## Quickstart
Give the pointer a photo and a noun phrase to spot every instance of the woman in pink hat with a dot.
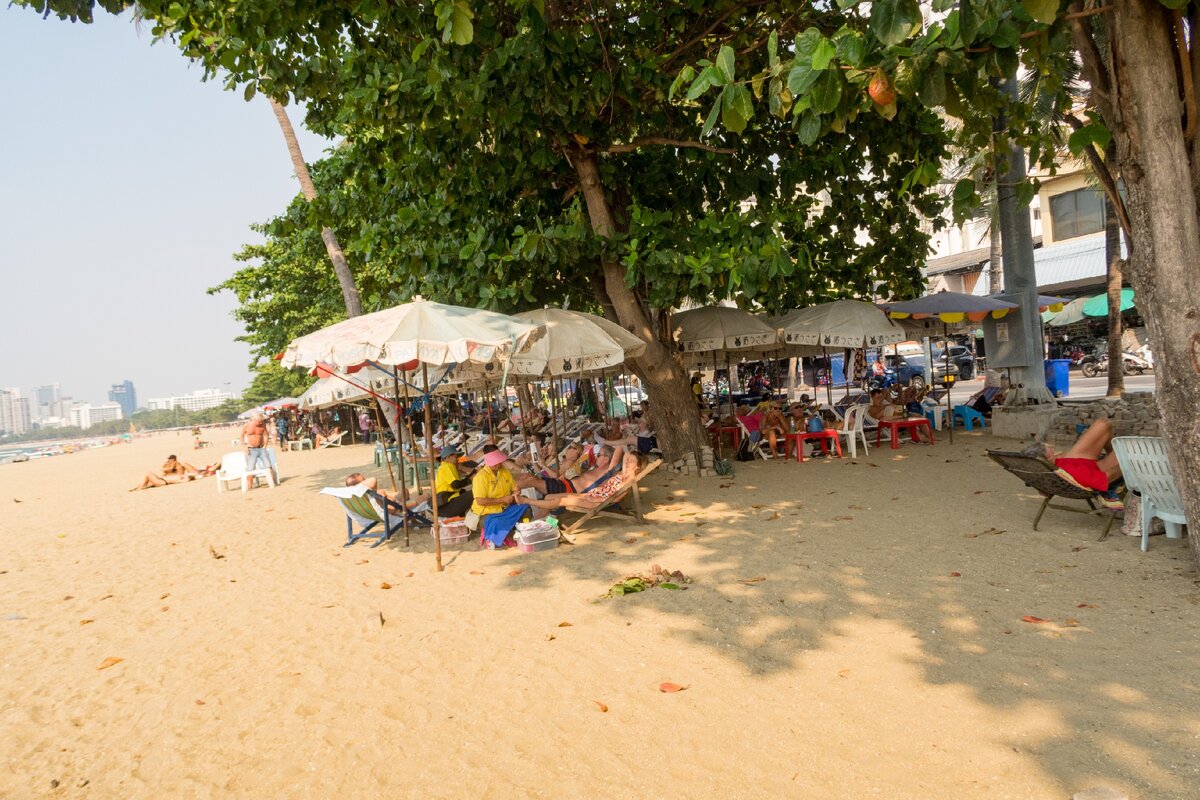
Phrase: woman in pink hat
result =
(492, 487)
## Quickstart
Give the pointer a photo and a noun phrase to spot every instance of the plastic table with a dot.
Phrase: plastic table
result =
(913, 427)
(824, 437)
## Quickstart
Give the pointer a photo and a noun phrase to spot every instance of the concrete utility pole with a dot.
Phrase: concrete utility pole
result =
(1020, 276)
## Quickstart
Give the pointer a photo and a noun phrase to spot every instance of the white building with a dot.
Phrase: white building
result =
(196, 401)
(14, 412)
(85, 415)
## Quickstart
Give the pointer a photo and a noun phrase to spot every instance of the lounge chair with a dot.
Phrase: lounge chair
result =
(1147, 473)
(1038, 474)
(605, 509)
(333, 441)
(368, 509)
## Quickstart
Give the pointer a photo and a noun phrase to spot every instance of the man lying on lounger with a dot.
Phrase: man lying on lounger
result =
(610, 459)
(597, 495)
(1086, 464)
(355, 478)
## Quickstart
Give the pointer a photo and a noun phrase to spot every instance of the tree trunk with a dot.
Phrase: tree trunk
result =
(1165, 258)
(673, 412)
(1112, 253)
(340, 267)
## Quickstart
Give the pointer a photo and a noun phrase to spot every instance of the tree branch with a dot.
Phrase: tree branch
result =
(646, 141)
(1094, 67)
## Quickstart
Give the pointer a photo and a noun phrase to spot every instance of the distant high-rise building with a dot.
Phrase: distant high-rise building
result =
(85, 415)
(196, 401)
(49, 401)
(124, 395)
(14, 412)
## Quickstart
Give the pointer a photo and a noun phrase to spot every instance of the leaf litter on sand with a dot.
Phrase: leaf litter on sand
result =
(756, 579)
(988, 532)
(111, 661)
(603, 708)
(666, 687)
(1087, 605)
(1034, 620)
(658, 577)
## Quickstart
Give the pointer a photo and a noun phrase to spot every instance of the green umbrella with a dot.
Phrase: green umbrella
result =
(1098, 306)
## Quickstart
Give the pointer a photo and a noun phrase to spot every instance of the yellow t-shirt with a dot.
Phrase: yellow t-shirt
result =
(447, 473)
(491, 483)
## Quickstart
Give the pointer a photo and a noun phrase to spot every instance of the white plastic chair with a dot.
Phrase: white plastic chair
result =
(853, 430)
(233, 468)
(1147, 471)
(755, 447)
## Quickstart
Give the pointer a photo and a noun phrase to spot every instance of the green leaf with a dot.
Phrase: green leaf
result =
(248, 94)
(686, 74)
(737, 108)
(461, 29)
(823, 54)
(773, 49)
(707, 77)
(711, 121)
(1043, 11)
(756, 83)
(801, 78)
(933, 87)
(827, 91)
(668, 586)
(810, 128)
(968, 21)
(893, 21)
(1092, 134)
(851, 46)
(725, 63)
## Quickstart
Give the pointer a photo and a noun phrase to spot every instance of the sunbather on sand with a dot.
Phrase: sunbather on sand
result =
(355, 478)
(596, 496)
(1085, 466)
(173, 471)
(332, 436)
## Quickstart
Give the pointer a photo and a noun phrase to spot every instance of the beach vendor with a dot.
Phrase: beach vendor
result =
(1086, 464)
(697, 389)
(497, 508)
(450, 483)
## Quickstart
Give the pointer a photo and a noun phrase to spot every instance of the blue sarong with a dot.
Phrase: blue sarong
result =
(497, 527)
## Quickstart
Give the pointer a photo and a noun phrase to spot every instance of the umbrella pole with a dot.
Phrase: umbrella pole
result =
(487, 388)
(399, 452)
(437, 534)
(946, 353)
(554, 423)
(717, 421)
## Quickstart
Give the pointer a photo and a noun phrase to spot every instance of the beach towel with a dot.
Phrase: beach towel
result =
(497, 527)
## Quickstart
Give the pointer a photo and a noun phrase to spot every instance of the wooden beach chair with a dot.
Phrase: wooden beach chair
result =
(368, 509)
(606, 509)
(333, 441)
(1038, 474)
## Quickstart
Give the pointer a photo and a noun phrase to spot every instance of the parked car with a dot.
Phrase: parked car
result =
(631, 395)
(910, 370)
(960, 357)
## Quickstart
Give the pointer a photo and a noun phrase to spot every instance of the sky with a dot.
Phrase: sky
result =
(126, 186)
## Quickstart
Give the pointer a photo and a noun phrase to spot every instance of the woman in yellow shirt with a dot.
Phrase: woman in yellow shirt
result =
(449, 484)
(493, 489)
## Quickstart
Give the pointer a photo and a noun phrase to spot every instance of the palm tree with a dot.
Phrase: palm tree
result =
(340, 267)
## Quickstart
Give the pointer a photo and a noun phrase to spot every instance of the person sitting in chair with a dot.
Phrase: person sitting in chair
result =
(334, 435)
(773, 424)
(598, 495)
(880, 410)
(355, 478)
(1086, 464)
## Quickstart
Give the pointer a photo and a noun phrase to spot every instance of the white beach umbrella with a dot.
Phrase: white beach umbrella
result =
(840, 324)
(574, 343)
(722, 329)
(421, 331)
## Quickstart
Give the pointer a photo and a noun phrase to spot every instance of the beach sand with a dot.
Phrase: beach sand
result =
(853, 630)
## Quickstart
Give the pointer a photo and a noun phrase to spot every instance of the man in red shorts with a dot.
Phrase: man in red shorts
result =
(1090, 463)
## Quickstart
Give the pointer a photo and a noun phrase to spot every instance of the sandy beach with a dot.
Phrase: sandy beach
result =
(853, 629)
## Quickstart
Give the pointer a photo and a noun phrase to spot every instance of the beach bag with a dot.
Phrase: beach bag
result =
(745, 451)
(816, 424)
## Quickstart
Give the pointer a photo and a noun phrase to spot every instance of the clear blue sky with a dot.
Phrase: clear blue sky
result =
(126, 185)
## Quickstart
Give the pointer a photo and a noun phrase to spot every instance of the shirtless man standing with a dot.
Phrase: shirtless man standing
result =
(254, 442)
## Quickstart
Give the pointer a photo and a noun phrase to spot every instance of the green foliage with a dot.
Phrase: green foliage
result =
(271, 382)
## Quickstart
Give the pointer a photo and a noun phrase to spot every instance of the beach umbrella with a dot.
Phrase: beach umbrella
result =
(839, 324)
(951, 308)
(411, 337)
(1071, 313)
(1098, 306)
(429, 333)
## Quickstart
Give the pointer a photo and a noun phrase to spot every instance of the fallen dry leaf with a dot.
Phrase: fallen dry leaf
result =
(670, 688)
(631, 540)
(565, 625)
(955, 574)
(550, 637)
(843, 673)
(385, 585)
(843, 519)
(212, 551)
(165, 608)
(476, 572)
(1087, 605)
(603, 708)
(360, 561)
(1033, 619)
(773, 517)
(726, 485)
(756, 579)
(854, 508)
(1079, 547)
(409, 575)
(199, 702)
(86, 621)
(512, 573)
(111, 661)
(1070, 622)
(382, 621)
(984, 491)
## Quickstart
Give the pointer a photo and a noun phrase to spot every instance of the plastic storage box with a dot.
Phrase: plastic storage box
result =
(453, 534)
(544, 538)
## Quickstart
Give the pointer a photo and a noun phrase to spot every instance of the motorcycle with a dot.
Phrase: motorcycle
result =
(1131, 364)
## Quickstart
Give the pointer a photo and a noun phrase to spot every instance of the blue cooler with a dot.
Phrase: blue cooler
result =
(1058, 376)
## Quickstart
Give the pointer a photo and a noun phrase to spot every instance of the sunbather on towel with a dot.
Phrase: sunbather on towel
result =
(1085, 466)
(597, 495)
(355, 478)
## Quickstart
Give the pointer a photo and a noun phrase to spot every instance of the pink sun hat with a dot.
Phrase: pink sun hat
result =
(495, 458)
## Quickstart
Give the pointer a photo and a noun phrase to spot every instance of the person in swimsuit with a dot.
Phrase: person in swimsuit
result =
(597, 495)
(1087, 464)
(174, 471)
